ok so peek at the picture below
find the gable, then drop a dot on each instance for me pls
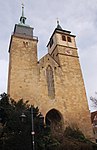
(47, 60)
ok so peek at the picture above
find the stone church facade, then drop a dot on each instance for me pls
(54, 83)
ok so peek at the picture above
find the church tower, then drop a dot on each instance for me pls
(62, 44)
(22, 61)
(54, 83)
(64, 96)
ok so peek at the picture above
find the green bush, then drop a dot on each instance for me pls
(74, 133)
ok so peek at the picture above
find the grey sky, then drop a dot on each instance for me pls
(78, 16)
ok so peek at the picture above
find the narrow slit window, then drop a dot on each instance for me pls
(50, 82)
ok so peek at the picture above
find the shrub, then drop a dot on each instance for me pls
(74, 133)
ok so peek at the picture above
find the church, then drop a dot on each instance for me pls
(54, 83)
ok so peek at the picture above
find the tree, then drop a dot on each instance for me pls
(16, 134)
(94, 100)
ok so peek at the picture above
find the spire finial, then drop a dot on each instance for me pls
(22, 9)
(58, 25)
(57, 21)
(22, 18)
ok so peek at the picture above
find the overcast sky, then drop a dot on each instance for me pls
(78, 16)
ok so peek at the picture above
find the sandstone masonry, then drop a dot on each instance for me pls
(54, 83)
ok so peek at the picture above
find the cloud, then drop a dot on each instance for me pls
(3, 75)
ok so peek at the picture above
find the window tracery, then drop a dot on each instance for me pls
(50, 82)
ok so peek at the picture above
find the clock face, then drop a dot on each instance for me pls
(68, 51)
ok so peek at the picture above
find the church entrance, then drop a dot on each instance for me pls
(54, 120)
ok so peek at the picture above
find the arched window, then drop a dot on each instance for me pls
(50, 82)
(63, 38)
(69, 39)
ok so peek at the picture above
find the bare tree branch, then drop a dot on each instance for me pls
(94, 100)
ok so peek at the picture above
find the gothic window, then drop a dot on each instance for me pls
(69, 39)
(63, 38)
(50, 82)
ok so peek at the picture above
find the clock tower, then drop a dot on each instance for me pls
(62, 45)
(62, 48)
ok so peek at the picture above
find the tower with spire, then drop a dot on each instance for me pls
(54, 83)
(23, 60)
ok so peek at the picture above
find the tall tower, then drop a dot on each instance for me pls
(64, 96)
(22, 61)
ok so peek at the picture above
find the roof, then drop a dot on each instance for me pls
(59, 29)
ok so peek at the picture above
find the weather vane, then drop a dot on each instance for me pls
(22, 3)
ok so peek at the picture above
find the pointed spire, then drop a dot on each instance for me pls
(22, 9)
(57, 21)
(22, 18)
(58, 25)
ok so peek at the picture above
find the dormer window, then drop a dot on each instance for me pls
(51, 43)
(69, 39)
(63, 38)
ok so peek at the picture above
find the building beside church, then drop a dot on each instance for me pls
(54, 83)
(94, 123)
